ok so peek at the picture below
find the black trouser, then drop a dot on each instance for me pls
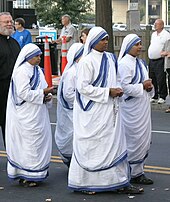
(4, 87)
(158, 76)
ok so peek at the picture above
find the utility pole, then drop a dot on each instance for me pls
(103, 10)
(6, 6)
(133, 15)
(3, 5)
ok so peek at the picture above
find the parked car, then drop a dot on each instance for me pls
(120, 27)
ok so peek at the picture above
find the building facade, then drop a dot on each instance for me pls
(22, 3)
(150, 10)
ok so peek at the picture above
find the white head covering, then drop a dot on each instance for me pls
(95, 35)
(128, 42)
(74, 53)
(27, 52)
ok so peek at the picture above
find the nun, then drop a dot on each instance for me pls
(99, 160)
(135, 107)
(28, 130)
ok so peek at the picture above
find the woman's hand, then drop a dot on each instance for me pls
(147, 85)
(48, 90)
(114, 92)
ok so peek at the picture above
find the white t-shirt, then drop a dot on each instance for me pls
(157, 44)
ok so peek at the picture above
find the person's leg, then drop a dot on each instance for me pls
(4, 86)
(152, 75)
(161, 79)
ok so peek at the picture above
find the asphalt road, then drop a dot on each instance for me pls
(55, 187)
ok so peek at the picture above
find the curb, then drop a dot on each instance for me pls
(161, 107)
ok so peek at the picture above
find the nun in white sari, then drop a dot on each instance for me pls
(99, 160)
(28, 130)
(65, 98)
(135, 106)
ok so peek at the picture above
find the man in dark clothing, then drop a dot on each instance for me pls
(8, 54)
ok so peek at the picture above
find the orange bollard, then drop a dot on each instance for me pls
(47, 63)
(63, 53)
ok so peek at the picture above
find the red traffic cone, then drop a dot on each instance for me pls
(63, 53)
(47, 63)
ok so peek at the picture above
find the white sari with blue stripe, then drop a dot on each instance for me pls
(28, 130)
(65, 98)
(135, 105)
(99, 161)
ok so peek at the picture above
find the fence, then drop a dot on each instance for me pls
(145, 36)
(118, 37)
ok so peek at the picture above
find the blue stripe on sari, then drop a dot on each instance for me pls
(116, 162)
(101, 78)
(36, 52)
(131, 44)
(138, 78)
(79, 53)
(100, 188)
(65, 104)
(15, 165)
(115, 61)
(96, 40)
(34, 82)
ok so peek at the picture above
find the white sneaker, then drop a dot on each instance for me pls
(153, 100)
(161, 101)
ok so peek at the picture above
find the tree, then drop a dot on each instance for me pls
(50, 11)
(104, 18)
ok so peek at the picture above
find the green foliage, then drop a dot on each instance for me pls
(50, 11)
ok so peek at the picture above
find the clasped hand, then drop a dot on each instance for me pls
(114, 92)
(147, 85)
(47, 96)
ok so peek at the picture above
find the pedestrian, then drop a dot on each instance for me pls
(84, 34)
(135, 107)
(156, 62)
(28, 130)
(8, 53)
(99, 160)
(166, 54)
(22, 35)
(65, 101)
(68, 30)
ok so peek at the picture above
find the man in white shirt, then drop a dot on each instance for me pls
(156, 62)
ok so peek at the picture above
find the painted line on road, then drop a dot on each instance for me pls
(160, 131)
(147, 168)
(157, 167)
(55, 159)
(157, 171)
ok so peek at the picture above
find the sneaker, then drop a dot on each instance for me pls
(161, 101)
(152, 100)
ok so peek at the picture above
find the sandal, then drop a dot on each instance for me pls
(142, 179)
(86, 192)
(130, 190)
(26, 183)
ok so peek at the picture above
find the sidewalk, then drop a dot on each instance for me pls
(156, 106)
